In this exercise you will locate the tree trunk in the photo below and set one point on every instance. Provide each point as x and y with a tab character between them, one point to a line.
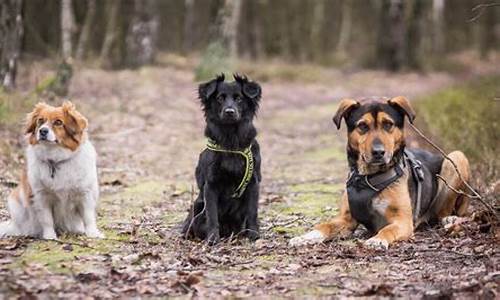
230	20
83	41
318	19
438	26
111	52
487	36
142	35
67	25
391	35
414	35
345	27
11	32
189	25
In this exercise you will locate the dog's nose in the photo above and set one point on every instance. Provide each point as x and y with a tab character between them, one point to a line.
230	111
378	151
44	132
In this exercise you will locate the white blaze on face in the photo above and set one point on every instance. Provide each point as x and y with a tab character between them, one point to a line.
45	133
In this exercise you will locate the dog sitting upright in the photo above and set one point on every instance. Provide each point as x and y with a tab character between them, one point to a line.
390	190
228	171
58	191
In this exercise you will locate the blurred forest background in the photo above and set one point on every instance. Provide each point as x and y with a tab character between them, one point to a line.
389	34
132	67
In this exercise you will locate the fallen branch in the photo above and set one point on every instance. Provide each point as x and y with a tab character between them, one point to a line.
480	9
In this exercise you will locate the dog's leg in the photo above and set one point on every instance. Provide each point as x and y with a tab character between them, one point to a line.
43	212
447	201
89	204
211	199
398	214
342	225
251	222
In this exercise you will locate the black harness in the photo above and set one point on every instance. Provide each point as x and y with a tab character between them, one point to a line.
362	189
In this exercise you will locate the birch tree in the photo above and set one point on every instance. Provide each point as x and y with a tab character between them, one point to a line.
11	33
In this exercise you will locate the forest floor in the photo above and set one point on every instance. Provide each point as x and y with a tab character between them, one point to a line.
148	130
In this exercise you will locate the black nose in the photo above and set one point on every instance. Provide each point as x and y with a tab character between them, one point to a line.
230	112
378	151
44	132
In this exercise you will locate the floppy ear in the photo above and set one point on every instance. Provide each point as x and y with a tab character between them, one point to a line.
402	104
345	107
75	122
32	117
205	90
250	89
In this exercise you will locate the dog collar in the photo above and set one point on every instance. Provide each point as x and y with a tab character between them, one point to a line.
249	164
54	166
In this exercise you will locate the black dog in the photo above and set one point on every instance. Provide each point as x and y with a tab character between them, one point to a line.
228	171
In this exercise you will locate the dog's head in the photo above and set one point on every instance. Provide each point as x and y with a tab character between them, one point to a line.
59	126
229	102
375	131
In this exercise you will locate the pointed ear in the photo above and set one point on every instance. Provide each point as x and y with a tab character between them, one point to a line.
345	107
75	122
32	117
205	90
402	104
250	89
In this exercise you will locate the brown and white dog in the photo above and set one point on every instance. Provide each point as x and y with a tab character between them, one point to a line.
391	190
58	191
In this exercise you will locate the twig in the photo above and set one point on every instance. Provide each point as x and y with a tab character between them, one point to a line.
273	225
475	195
480	9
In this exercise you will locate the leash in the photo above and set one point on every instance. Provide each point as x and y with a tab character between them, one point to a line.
475	194
249	164
54	166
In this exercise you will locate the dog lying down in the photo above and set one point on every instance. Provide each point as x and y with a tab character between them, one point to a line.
390	190
58	191
228	172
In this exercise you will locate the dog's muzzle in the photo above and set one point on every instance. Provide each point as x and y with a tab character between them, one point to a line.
230	114
45	134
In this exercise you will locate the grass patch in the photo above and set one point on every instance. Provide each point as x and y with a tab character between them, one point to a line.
465	117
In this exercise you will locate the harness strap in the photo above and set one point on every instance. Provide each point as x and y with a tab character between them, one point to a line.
54	166
249	165
418	174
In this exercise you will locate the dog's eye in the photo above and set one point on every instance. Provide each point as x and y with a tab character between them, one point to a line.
40	121
387	125
237	98
220	98
363	127
58	122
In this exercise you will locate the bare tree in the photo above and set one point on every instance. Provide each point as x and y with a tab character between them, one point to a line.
111	52
391	41
230	16
438	26
318	19
67	26
83	41
345	27
189	23
11	32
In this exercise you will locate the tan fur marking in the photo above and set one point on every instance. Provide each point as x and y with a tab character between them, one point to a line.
398	213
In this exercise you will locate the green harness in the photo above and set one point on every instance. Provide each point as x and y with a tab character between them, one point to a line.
248	155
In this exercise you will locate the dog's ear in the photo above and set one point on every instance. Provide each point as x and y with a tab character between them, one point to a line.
75	123
345	107
250	89
32	118
205	90
402	104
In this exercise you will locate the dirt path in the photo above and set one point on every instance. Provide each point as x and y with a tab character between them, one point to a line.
147	127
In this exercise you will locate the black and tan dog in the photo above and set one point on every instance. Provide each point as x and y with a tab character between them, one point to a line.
391	190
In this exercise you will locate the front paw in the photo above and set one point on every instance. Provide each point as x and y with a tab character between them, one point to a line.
377	243
313	237
49	235
252	234
95	234
213	237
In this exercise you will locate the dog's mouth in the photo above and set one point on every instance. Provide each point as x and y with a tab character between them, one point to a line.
376	162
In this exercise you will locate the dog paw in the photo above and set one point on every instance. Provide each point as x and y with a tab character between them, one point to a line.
213	238
376	243
49	235
252	235
95	234
450	221
312	237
